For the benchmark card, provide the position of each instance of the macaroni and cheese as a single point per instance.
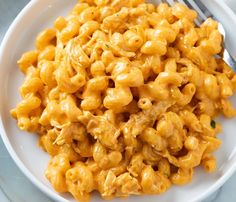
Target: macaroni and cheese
(123, 95)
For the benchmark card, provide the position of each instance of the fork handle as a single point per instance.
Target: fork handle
(228, 19)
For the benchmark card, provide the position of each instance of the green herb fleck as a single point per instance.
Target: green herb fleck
(166, 174)
(213, 124)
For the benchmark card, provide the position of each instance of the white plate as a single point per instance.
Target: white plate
(232, 4)
(23, 147)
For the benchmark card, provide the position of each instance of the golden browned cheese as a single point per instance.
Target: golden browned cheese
(123, 95)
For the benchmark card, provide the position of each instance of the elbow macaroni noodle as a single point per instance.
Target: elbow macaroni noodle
(123, 95)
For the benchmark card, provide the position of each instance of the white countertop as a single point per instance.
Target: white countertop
(14, 187)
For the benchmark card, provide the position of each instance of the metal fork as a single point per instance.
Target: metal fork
(203, 14)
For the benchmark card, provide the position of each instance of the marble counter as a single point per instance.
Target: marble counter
(14, 187)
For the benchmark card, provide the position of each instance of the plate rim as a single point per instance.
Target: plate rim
(42, 187)
(32, 4)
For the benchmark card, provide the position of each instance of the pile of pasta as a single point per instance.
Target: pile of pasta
(123, 95)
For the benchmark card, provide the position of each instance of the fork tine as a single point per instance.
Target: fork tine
(203, 8)
(201, 17)
(170, 2)
(203, 14)
(192, 5)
